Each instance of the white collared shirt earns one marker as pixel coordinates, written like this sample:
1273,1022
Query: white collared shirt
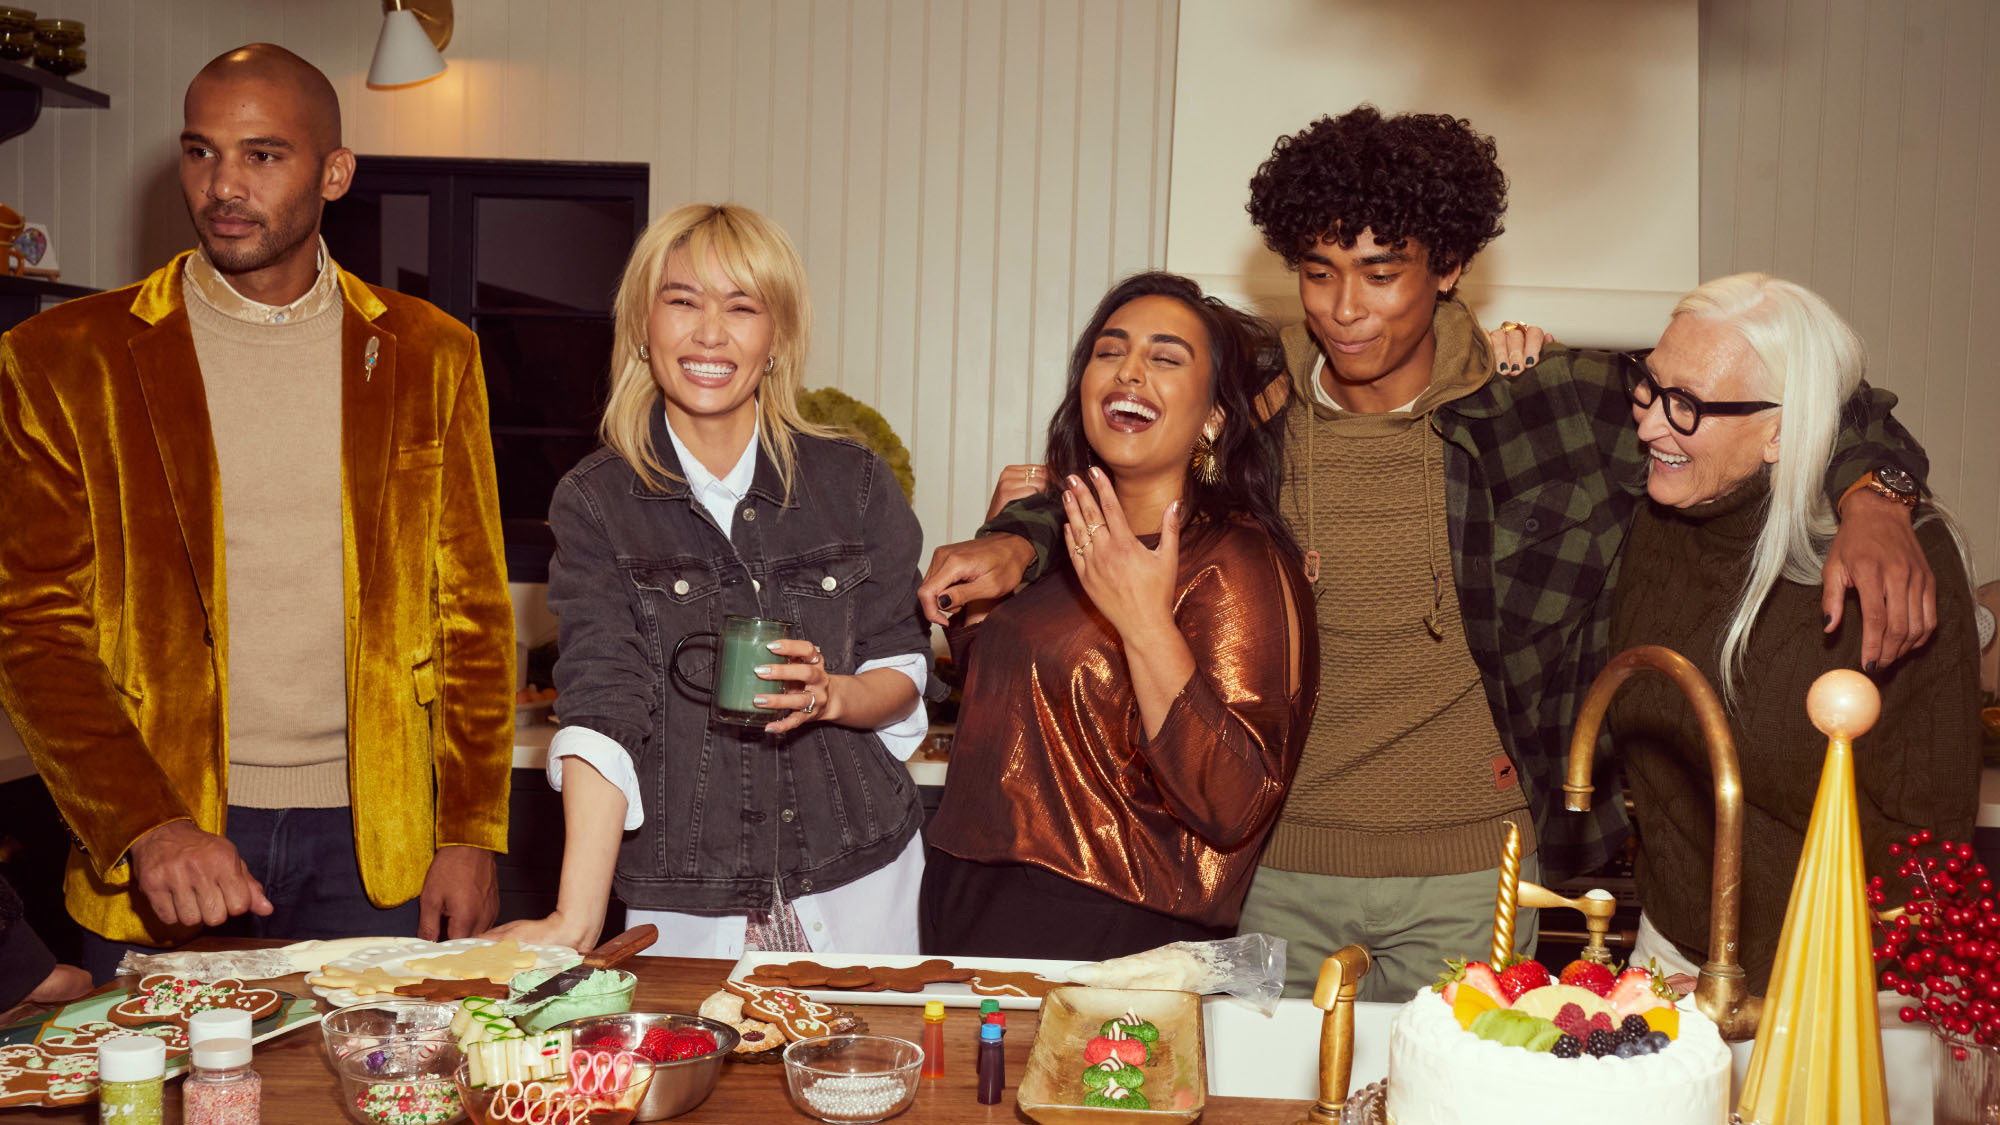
876,913
1321,396
209,283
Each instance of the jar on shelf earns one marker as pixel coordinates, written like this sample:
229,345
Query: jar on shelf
17,34
62,33
59,46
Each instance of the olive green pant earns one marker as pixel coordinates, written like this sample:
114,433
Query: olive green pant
1408,925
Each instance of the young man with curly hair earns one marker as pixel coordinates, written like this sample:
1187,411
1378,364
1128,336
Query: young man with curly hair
1462,532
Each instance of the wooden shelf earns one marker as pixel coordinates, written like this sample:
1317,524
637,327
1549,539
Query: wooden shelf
26,90
11,286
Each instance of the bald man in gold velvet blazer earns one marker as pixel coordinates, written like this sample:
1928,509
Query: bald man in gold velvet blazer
113,619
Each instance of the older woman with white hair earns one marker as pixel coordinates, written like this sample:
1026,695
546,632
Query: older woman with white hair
1738,406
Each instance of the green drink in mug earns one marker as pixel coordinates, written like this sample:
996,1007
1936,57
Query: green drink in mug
743,646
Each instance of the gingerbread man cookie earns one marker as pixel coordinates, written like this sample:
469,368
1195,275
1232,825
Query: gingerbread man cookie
32,1076
497,962
988,982
84,1038
371,981
166,998
799,1017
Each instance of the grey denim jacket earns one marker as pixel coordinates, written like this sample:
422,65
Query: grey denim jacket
636,569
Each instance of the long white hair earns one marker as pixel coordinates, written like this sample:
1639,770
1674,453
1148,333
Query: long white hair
1810,362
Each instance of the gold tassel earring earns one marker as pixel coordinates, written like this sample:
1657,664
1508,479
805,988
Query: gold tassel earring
1207,466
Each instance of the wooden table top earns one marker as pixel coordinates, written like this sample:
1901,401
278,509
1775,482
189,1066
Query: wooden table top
300,1087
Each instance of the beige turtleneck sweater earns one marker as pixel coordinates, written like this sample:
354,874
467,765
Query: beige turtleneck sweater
272,378
1401,774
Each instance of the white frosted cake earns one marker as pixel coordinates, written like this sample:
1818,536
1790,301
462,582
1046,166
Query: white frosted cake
1442,1074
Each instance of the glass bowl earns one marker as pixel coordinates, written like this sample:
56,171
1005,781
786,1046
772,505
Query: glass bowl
571,1006
608,1093
853,1079
678,1085
373,1024
402,1082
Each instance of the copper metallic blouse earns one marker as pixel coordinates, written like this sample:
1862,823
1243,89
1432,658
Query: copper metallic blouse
1051,765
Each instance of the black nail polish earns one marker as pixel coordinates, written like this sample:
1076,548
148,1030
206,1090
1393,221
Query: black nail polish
1517,369
944,601
1825,619
1531,361
1869,667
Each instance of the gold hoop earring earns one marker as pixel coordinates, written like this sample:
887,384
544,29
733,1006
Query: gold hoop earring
1207,465
770,362
645,354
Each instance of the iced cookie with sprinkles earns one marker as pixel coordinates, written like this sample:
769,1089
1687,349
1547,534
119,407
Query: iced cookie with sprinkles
1114,1096
166,998
31,1076
799,1016
84,1037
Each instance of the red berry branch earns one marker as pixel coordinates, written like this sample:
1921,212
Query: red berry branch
1941,947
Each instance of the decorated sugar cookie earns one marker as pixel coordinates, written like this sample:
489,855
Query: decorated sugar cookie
800,1017
32,1076
166,998
85,1037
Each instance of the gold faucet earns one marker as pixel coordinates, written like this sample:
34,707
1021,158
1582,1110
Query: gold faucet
1339,981
1723,994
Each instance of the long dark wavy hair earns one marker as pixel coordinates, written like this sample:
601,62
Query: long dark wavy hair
1244,356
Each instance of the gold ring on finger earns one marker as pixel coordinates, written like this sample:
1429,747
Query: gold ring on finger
1092,529
1510,325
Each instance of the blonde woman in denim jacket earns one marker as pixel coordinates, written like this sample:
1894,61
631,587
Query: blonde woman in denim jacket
714,497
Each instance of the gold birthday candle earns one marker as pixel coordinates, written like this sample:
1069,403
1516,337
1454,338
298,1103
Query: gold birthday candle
1507,898
1818,1057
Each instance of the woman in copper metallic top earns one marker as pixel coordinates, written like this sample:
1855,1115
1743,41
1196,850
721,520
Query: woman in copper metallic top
1130,724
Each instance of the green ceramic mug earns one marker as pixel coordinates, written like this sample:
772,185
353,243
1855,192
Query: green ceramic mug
745,646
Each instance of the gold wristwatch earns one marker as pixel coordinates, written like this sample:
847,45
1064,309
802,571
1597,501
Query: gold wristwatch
1896,484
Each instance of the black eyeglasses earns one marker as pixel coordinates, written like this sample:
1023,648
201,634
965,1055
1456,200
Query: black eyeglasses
1684,411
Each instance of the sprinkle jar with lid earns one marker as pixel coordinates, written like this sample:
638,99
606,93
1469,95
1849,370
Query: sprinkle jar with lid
222,1090
129,1073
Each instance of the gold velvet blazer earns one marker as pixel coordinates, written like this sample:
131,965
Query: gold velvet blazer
113,614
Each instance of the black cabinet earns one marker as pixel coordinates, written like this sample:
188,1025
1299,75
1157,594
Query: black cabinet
529,254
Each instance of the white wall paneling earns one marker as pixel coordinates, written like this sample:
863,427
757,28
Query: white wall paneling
964,178
1854,146
1593,105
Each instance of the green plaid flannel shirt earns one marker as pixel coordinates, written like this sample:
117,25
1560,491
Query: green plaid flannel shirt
1542,476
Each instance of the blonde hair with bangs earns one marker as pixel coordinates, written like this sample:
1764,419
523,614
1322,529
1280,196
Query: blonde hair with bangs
759,259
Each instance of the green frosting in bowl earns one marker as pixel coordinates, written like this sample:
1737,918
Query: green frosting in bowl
604,992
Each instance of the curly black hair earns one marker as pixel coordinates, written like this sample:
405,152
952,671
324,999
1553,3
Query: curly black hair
1421,176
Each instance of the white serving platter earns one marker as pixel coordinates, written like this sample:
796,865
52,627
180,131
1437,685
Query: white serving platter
391,956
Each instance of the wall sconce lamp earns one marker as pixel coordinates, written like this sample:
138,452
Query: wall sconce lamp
406,53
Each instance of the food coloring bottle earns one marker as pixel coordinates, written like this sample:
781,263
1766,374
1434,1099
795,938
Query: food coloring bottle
992,1063
129,1073
933,1039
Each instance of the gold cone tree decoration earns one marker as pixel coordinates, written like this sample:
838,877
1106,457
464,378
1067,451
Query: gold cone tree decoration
1818,1058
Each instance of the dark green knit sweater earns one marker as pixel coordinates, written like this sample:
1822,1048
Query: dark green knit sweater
1918,767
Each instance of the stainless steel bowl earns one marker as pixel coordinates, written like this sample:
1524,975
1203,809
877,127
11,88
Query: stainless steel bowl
677,1086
